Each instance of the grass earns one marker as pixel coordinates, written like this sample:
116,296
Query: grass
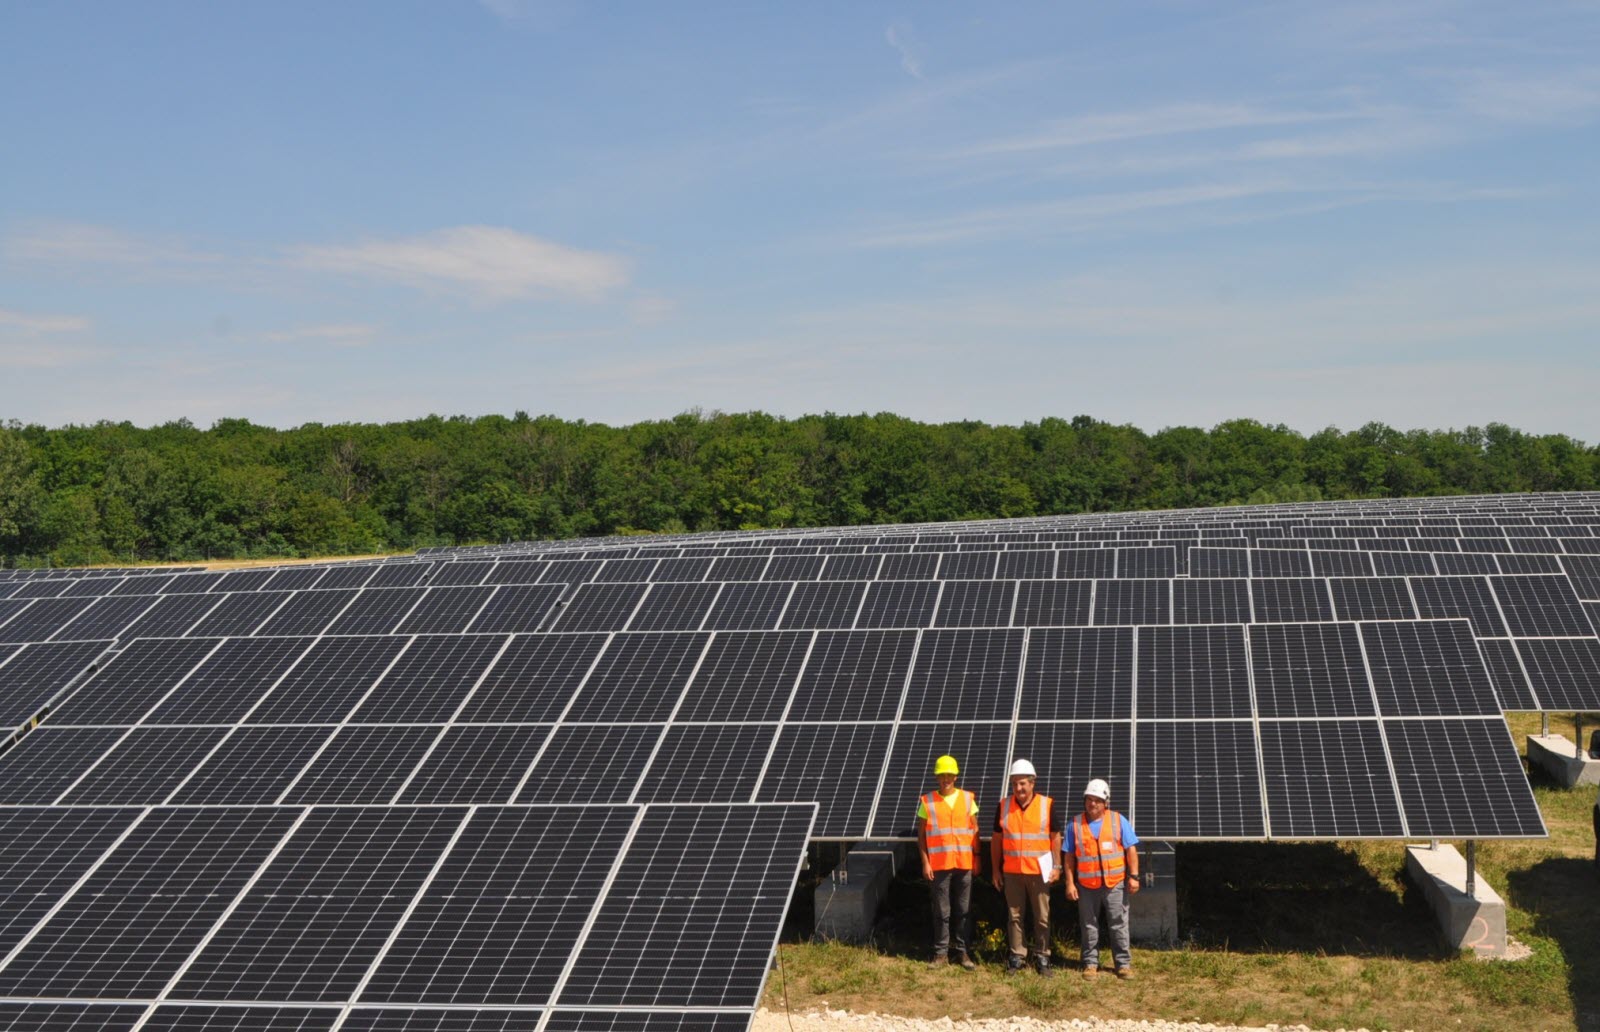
1328,935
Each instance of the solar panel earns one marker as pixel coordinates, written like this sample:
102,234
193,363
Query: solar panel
42,853
1062,603
144,766
1431,668
639,678
534,678
1074,674
45,764
376,610
1537,607
433,1020
1197,779
1564,672
41,620
590,763
517,608
1468,597
1462,778
445,610
664,935
106,618
745,676
180,1018
138,678
171,616
272,612
1132,602
1309,670
1069,755
899,604
299,578
674,607
1213,601
600,607
1192,672
823,605
362,764
965,675
1328,779
253,765
707,763
230,681
327,683
836,765
749,606
1290,600
1510,681
32,676
980,749
68,1017
1372,598
430,680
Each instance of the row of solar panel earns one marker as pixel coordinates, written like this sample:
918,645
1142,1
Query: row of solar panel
1454,777
174,1017
530,907
1515,605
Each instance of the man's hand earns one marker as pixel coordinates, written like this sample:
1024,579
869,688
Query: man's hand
1134,881
999,880
1072,891
927,870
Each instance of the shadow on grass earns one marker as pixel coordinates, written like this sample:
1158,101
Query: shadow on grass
1563,895
1302,897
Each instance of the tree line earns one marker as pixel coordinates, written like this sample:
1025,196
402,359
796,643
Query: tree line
114,492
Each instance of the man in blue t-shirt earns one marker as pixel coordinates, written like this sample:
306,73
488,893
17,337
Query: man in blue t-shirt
1099,856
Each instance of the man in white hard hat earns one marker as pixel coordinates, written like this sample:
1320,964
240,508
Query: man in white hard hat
1024,852
947,838
1101,857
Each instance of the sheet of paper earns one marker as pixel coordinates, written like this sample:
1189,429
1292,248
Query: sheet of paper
1046,864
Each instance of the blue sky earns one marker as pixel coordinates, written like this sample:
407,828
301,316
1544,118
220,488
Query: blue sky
1317,214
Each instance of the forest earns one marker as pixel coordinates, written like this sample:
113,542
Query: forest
117,493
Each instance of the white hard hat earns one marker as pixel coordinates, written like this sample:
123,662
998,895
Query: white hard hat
1022,768
1099,789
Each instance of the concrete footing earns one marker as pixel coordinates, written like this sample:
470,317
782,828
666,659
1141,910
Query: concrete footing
846,903
1559,758
1475,922
1153,913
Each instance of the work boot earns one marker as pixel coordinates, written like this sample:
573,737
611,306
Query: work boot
966,962
1091,971
1124,972
939,960
1014,966
1042,964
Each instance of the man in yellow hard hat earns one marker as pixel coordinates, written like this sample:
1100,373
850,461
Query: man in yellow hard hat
947,837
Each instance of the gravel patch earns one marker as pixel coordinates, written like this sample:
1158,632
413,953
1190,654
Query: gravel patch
845,1021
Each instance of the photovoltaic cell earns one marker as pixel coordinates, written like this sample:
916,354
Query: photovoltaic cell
1061,603
1468,597
430,680
125,933
1371,598
476,765
837,765
1192,672
823,605
707,763
129,685
1328,779
1291,600
599,607
1537,607
145,766
979,748
517,608
245,580
1279,562
899,604
965,675
1461,779
1309,670
794,568
854,676
1147,562
591,763
1469,563
1118,602
1403,564
362,765
349,875
48,760
1195,779
976,604
1210,601
664,934
1219,562
506,910
909,567
1026,565
968,565
1429,668
253,765
230,681
737,568
346,577
1565,672
745,676
329,681
534,678
639,678
1584,573
306,613
1340,564
1068,756
1078,674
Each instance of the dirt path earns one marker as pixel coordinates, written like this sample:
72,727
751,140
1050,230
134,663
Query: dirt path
844,1021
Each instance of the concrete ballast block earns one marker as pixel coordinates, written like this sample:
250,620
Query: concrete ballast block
846,903
1559,758
1153,913
1474,922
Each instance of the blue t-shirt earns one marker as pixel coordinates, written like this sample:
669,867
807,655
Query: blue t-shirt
1070,847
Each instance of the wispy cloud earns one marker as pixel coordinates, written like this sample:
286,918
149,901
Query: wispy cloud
82,244
35,322
901,37
1556,99
489,262
336,335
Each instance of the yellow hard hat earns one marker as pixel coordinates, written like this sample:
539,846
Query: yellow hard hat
946,765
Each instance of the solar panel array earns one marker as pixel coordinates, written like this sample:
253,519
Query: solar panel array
567,784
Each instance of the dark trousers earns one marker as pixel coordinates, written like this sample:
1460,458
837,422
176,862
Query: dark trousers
951,894
1597,834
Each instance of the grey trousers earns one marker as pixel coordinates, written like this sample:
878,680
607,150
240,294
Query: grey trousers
1113,904
1028,894
951,894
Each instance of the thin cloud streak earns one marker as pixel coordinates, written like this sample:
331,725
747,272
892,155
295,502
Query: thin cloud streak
40,323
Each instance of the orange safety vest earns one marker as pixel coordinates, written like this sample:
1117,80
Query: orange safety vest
1101,860
952,831
1026,837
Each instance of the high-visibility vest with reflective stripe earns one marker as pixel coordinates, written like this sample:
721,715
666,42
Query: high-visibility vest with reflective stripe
1101,859
1026,837
952,831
